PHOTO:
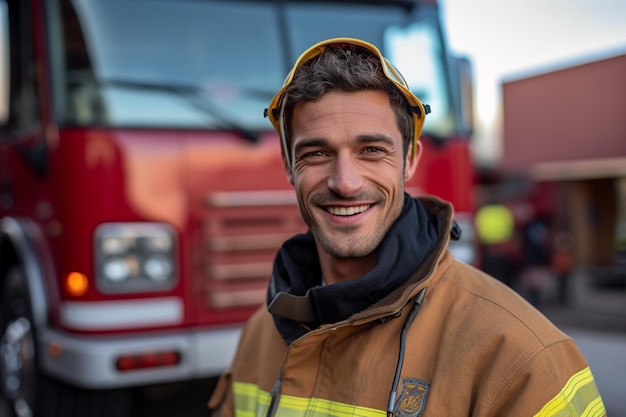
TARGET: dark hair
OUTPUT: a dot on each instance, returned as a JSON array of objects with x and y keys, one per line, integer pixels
[{"x": 346, "y": 68}]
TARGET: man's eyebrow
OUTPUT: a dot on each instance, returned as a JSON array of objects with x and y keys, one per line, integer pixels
[
  {"x": 376, "y": 138},
  {"x": 309, "y": 143}
]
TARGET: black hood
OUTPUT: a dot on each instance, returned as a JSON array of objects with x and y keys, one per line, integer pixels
[{"x": 297, "y": 299}]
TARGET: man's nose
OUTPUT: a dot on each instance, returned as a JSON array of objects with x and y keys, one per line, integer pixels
[{"x": 345, "y": 178}]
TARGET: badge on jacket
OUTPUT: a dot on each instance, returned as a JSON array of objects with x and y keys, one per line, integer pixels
[{"x": 413, "y": 398}]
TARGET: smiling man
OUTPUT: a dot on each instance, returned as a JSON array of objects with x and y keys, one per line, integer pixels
[
  {"x": 341, "y": 334},
  {"x": 348, "y": 170}
]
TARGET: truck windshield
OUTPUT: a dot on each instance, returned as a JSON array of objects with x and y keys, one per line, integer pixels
[{"x": 217, "y": 64}]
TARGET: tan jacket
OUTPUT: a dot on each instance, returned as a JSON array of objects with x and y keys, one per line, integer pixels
[{"x": 475, "y": 348}]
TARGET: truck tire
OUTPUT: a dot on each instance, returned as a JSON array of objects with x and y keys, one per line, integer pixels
[{"x": 29, "y": 392}]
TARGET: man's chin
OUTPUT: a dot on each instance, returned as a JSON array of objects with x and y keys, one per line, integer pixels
[{"x": 347, "y": 250}]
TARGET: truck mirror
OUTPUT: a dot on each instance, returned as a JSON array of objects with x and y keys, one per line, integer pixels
[{"x": 462, "y": 76}]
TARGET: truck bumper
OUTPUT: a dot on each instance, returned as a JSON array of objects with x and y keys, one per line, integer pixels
[{"x": 90, "y": 361}]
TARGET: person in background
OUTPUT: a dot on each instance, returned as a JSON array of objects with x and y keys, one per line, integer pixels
[
  {"x": 368, "y": 313},
  {"x": 495, "y": 227},
  {"x": 536, "y": 271},
  {"x": 562, "y": 264}
]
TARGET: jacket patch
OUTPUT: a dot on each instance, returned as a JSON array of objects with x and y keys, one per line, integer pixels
[{"x": 413, "y": 398}]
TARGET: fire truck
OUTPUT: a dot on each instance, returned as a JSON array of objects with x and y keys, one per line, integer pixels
[{"x": 142, "y": 193}]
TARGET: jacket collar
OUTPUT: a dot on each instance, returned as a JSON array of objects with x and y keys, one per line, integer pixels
[{"x": 409, "y": 252}]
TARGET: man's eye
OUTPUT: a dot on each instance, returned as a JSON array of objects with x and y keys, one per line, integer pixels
[
  {"x": 373, "y": 150},
  {"x": 313, "y": 154}
]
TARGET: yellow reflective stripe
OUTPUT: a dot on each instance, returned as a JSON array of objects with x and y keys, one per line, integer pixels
[
  {"x": 595, "y": 408},
  {"x": 318, "y": 407},
  {"x": 579, "y": 396},
  {"x": 251, "y": 401}
]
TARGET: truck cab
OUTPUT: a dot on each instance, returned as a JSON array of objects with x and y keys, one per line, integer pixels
[{"x": 142, "y": 192}]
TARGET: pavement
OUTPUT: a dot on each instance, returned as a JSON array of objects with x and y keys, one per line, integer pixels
[{"x": 597, "y": 301}]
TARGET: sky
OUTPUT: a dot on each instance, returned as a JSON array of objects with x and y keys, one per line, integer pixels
[{"x": 513, "y": 39}]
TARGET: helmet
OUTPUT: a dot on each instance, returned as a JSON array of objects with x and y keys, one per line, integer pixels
[{"x": 275, "y": 112}]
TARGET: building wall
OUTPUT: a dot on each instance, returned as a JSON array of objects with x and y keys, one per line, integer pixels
[
  {"x": 569, "y": 114},
  {"x": 568, "y": 127}
]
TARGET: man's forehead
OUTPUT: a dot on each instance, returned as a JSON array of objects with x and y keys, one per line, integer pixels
[
  {"x": 346, "y": 107},
  {"x": 363, "y": 107}
]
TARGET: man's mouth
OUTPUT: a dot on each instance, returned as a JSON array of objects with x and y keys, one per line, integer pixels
[{"x": 347, "y": 211}]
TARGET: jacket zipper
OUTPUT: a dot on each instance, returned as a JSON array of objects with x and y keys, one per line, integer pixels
[{"x": 417, "y": 304}]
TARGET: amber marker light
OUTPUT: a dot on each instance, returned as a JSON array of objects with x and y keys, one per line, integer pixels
[
  {"x": 76, "y": 284},
  {"x": 55, "y": 350}
]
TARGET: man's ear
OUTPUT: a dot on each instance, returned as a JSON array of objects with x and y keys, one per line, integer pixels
[{"x": 411, "y": 162}]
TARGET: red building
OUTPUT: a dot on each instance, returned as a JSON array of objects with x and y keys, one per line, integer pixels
[{"x": 566, "y": 130}]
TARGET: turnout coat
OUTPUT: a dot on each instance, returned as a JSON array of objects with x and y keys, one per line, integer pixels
[{"x": 475, "y": 348}]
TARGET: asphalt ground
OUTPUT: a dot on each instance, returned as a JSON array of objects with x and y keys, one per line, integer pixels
[{"x": 596, "y": 301}]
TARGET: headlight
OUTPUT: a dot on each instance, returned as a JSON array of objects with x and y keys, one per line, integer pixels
[
  {"x": 133, "y": 257},
  {"x": 158, "y": 267},
  {"x": 116, "y": 269}
]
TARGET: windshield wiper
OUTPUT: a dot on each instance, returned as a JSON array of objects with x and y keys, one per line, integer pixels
[{"x": 193, "y": 95}]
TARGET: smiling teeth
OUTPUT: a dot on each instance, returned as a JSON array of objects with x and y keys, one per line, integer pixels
[{"x": 347, "y": 211}]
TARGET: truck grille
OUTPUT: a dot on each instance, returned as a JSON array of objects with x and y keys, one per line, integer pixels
[{"x": 242, "y": 232}]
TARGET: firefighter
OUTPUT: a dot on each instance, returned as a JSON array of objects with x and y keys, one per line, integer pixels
[{"x": 368, "y": 314}]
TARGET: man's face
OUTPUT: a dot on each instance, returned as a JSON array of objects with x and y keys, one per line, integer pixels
[{"x": 348, "y": 170}]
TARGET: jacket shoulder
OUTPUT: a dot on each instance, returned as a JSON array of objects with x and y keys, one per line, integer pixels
[
  {"x": 489, "y": 302},
  {"x": 487, "y": 333}
]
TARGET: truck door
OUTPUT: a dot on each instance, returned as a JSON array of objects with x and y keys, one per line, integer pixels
[{"x": 23, "y": 149}]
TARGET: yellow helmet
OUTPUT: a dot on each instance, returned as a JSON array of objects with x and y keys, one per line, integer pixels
[{"x": 275, "y": 112}]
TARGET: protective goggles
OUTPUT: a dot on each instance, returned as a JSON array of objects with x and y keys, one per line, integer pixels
[{"x": 275, "y": 112}]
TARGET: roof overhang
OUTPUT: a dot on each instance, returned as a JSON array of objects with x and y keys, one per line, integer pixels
[{"x": 582, "y": 169}]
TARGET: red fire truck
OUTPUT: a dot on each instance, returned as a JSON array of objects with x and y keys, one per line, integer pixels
[{"x": 142, "y": 195}]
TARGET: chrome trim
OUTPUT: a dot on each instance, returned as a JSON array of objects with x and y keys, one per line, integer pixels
[
  {"x": 121, "y": 314},
  {"x": 237, "y": 298},
  {"x": 240, "y": 271},
  {"x": 251, "y": 198},
  {"x": 247, "y": 242},
  {"x": 89, "y": 361}
]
